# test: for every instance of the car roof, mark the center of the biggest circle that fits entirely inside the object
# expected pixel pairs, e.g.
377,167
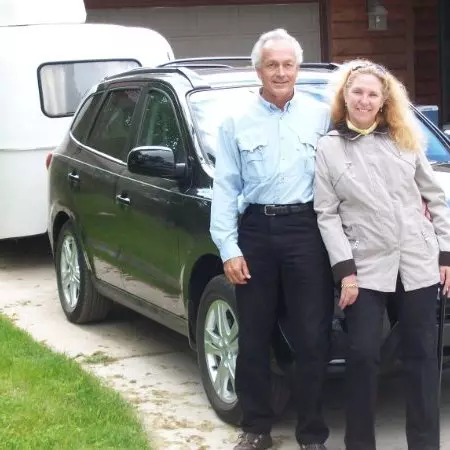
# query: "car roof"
213,74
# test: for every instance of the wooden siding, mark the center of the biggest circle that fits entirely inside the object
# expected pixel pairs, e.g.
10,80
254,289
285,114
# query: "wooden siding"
98,4
351,38
426,54
409,47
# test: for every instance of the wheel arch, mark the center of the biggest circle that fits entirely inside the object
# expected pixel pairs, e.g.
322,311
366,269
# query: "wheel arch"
60,219
204,269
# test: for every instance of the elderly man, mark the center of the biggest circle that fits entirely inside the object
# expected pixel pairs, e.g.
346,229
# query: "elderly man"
266,160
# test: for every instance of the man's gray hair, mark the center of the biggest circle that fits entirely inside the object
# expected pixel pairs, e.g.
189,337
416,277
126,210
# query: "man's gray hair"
275,35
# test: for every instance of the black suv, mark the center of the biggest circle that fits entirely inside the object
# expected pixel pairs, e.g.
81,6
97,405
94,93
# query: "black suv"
130,192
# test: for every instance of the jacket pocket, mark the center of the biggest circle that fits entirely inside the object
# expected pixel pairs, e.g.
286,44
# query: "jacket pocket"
253,147
427,232
354,237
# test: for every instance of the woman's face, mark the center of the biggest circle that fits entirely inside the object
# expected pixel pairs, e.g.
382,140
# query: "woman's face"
364,98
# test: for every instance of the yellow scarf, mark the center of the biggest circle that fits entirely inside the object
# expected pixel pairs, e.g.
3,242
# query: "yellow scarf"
360,130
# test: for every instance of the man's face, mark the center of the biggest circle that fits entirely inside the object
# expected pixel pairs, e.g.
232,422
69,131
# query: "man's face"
278,71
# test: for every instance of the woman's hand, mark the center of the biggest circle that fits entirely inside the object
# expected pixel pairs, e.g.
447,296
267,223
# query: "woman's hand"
349,291
445,279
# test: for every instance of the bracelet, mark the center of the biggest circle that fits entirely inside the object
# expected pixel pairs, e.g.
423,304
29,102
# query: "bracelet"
349,285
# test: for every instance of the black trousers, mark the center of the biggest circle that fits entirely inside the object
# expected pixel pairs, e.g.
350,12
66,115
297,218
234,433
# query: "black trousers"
417,322
284,254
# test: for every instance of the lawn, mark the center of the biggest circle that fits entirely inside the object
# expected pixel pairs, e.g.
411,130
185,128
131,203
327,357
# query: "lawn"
48,402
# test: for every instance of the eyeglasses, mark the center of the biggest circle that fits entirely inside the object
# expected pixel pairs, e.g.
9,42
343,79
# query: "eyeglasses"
377,67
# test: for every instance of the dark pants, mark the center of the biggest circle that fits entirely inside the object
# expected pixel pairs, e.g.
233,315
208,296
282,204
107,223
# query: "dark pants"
285,254
417,322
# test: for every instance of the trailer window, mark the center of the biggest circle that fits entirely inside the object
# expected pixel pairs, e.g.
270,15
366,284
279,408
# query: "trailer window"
62,85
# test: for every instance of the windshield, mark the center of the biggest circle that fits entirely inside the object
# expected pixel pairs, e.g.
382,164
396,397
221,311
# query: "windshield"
436,150
211,107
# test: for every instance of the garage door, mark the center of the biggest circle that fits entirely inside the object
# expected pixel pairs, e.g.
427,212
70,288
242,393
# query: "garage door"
221,30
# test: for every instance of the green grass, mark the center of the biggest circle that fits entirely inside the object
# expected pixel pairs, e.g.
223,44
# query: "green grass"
48,402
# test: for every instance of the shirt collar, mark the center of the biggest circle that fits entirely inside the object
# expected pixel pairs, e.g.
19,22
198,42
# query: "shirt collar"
363,131
272,108
346,132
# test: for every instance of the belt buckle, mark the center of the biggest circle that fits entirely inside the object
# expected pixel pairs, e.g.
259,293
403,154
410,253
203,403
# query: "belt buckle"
265,210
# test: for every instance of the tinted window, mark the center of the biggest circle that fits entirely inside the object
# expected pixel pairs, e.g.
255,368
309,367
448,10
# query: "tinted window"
63,85
436,150
83,121
113,124
160,125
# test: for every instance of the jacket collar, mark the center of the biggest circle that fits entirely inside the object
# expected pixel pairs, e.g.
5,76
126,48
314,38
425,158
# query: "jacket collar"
343,130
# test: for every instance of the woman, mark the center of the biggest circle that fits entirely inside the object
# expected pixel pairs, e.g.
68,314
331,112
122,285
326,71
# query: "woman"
371,177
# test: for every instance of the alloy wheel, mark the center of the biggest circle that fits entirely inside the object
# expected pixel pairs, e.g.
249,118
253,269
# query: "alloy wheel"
70,272
221,349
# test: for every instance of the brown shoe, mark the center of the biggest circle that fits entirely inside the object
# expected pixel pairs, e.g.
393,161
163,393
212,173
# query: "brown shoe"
253,441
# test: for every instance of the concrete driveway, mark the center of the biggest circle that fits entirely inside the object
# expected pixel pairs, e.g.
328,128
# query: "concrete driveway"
155,369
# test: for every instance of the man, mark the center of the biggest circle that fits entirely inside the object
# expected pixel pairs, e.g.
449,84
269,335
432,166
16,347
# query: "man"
266,161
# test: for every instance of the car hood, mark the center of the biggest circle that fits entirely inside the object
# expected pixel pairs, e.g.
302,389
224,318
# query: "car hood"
442,172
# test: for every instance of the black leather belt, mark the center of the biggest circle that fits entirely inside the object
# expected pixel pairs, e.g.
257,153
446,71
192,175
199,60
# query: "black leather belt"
280,210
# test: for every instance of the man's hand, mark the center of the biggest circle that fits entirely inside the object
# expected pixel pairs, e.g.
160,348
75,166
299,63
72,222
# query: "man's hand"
445,279
425,210
236,270
349,291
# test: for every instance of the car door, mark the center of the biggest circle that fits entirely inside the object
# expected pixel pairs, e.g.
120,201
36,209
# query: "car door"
94,174
150,256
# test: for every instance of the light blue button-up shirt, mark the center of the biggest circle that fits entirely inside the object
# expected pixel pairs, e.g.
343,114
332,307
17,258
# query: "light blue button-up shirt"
265,156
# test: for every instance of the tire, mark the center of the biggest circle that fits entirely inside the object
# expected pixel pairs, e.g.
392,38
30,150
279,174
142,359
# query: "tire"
218,302
79,298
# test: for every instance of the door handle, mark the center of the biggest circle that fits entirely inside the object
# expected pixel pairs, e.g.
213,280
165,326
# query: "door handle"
123,200
73,177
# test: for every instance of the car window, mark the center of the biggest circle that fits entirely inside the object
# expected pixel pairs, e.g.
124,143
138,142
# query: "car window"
160,125
63,84
83,121
436,150
113,124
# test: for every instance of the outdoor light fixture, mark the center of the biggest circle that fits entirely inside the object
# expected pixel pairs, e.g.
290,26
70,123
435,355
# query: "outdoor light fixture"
377,14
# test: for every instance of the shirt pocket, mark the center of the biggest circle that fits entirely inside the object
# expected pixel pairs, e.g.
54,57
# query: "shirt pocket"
253,151
307,145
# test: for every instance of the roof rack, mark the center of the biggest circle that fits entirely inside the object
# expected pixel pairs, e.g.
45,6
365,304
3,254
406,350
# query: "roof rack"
214,62
207,61
194,79
319,65
185,68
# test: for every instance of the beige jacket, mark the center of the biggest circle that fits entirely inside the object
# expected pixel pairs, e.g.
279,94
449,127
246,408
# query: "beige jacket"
368,197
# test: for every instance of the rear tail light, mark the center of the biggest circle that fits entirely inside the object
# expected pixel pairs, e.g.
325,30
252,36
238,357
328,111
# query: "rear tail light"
48,160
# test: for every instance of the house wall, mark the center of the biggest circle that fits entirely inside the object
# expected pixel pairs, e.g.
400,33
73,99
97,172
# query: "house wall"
351,38
426,51
409,47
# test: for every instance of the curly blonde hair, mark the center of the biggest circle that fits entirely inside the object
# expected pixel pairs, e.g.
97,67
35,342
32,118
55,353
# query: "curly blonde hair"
396,113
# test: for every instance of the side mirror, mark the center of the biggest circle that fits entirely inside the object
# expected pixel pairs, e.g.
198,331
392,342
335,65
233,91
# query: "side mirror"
155,161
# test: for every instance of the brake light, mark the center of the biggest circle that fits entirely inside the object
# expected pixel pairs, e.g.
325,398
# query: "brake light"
48,160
